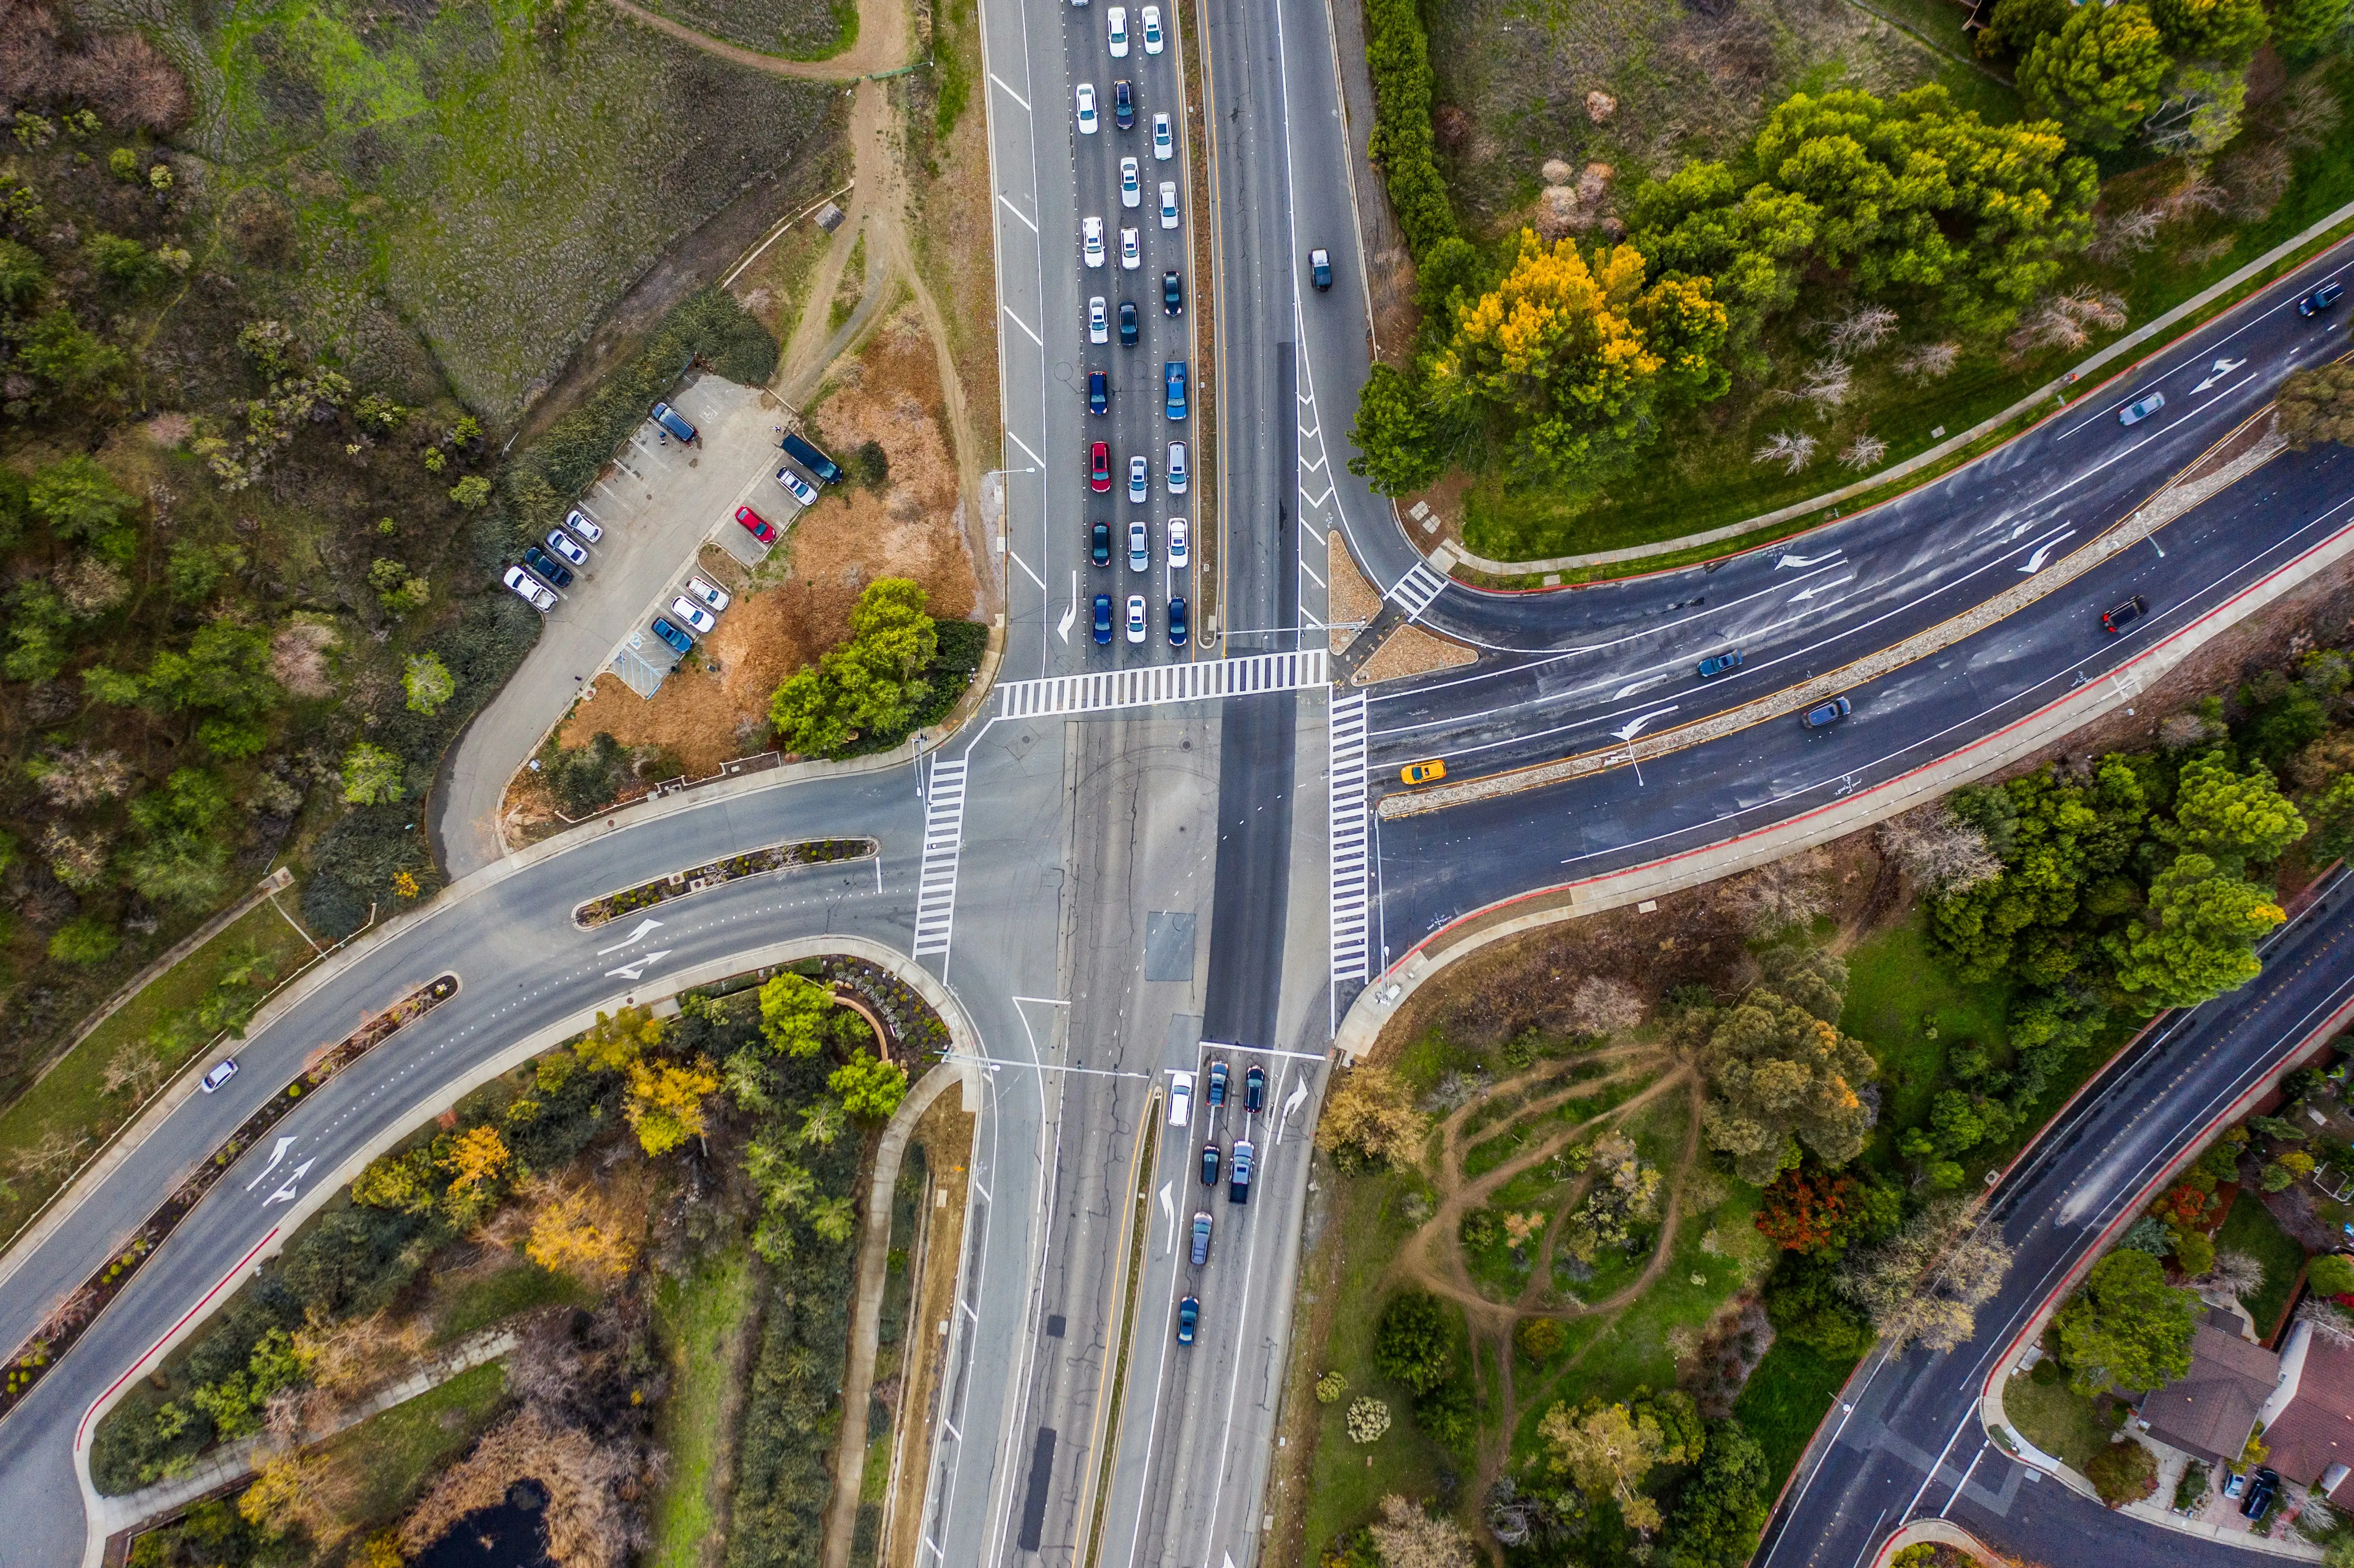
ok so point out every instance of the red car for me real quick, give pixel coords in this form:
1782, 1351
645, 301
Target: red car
758, 526
1099, 468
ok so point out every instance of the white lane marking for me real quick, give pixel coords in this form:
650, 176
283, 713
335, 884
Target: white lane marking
1634, 727
1007, 88
1631, 687
636, 968
293, 1179
1415, 591
1169, 1212
1806, 593
1298, 1097
2043, 552
1807, 560
1018, 561
1143, 685
1033, 456
1007, 202
943, 839
1017, 321
633, 938
1346, 842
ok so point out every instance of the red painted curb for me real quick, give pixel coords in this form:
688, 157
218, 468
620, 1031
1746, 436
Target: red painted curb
226, 1279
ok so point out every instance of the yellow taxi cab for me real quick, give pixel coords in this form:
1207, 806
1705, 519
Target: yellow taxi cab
1429, 772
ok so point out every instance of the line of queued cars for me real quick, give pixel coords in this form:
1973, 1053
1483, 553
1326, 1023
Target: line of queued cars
1236, 1166
547, 566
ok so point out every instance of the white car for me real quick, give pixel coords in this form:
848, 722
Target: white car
1140, 545
1179, 557
1149, 19
800, 489
1131, 189
1181, 1098
694, 614
1136, 618
223, 1071
1116, 21
1088, 121
1176, 468
1098, 321
1139, 481
564, 545
1168, 204
709, 593
530, 589
1130, 256
1164, 145
578, 521
1091, 240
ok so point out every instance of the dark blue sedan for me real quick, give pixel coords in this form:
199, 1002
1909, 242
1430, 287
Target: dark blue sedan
1176, 623
680, 642
548, 565
1189, 1314
1103, 618
1722, 663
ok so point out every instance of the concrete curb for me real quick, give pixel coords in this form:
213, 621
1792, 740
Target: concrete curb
1692, 868
963, 1037
2055, 387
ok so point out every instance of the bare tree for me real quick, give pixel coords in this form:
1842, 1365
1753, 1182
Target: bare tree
77, 777
2236, 1273
1827, 384
1793, 450
2197, 193
2126, 234
1866, 451
1774, 897
1864, 331
1926, 1283
1406, 1537
2311, 116
2327, 1319
134, 1071
1942, 853
1601, 1005
1928, 361
2067, 321
54, 1155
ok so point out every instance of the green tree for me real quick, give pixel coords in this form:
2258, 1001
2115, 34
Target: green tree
2224, 31
2129, 1329
1398, 449
225, 671
2304, 29
1412, 1343
868, 1086
22, 275
470, 491
84, 940
58, 349
2101, 74
1606, 1450
2318, 404
2123, 1472
2233, 817
2055, 839
1782, 1077
1402, 140
427, 683
2196, 938
870, 687
80, 501
664, 1102
181, 856
792, 1014
1721, 1511
2016, 24
125, 263
372, 776
2194, 1253
2331, 1273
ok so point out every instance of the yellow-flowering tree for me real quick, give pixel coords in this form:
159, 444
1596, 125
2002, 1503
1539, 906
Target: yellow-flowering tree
614, 1042
665, 1101
473, 1161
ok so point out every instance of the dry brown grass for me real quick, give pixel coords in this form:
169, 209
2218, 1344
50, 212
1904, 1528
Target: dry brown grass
587, 1524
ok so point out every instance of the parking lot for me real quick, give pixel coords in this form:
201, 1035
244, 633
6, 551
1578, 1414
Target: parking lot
656, 504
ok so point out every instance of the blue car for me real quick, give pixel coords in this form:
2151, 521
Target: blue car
1103, 618
680, 642
1099, 392
1176, 623
1830, 712
547, 565
670, 420
1201, 1237
2141, 409
2321, 298
1217, 1085
1174, 370
1189, 1314
1722, 663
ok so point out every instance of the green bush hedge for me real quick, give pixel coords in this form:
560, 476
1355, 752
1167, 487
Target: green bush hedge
1402, 146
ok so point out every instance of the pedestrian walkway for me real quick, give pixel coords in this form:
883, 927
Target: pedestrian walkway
943, 835
1348, 843
1182, 682
1415, 591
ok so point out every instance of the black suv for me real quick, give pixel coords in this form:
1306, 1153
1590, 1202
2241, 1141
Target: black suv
1127, 331
2262, 1489
1172, 295
1123, 106
1100, 544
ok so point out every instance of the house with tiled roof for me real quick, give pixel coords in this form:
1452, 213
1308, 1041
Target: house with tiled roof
2210, 1411
2309, 1423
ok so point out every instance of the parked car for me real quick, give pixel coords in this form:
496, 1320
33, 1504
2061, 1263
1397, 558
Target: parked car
1254, 1090
1179, 556
1128, 332
701, 619
1181, 1099
1201, 1237
1091, 249
1136, 618
1168, 204
1320, 269
1173, 374
1132, 255
1429, 771
1217, 1085
679, 641
1103, 618
1116, 31
2141, 409
759, 527
1148, 20
2262, 1489
800, 489
1177, 623
1139, 482
222, 1072
1140, 545
710, 593
1087, 110
670, 420
1173, 293
1099, 467
1829, 713
1098, 323
580, 523
1099, 392
1176, 468
2117, 617
530, 589
1189, 1311
2235, 1486
827, 471
1238, 1176
566, 545
1100, 544
1722, 663
547, 565
2321, 298
1164, 145
1123, 105
1210, 1158
1131, 184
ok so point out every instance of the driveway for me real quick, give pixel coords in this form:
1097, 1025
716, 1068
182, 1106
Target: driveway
657, 503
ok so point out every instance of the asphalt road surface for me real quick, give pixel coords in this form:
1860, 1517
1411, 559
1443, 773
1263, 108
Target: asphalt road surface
1909, 1443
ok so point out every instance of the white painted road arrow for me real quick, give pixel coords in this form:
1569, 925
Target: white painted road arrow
1634, 727
2043, 552
636, 968
1819, 587
1169, 1212
293, 1179
2222, 368
635, 938
1071, 612
1807, 560
1292, 1102
276, 1155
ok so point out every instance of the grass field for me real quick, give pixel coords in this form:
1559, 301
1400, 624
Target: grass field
700, 1320
2055, 1418
383, 1464
2251, 1228
457, 1306
1898, 990
1785, 1400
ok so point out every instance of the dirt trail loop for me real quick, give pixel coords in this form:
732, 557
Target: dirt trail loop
882, 44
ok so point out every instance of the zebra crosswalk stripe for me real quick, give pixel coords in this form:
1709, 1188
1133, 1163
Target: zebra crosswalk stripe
1415, 591
1348, 845
943, 837
1102, 691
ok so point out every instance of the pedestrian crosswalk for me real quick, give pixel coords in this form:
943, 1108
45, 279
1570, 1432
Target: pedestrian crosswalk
943, 835
1415, 591
1191, 681
1348, 845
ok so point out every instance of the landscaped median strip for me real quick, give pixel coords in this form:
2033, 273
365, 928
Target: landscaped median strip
2181, 493
611, 907
72, 1318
